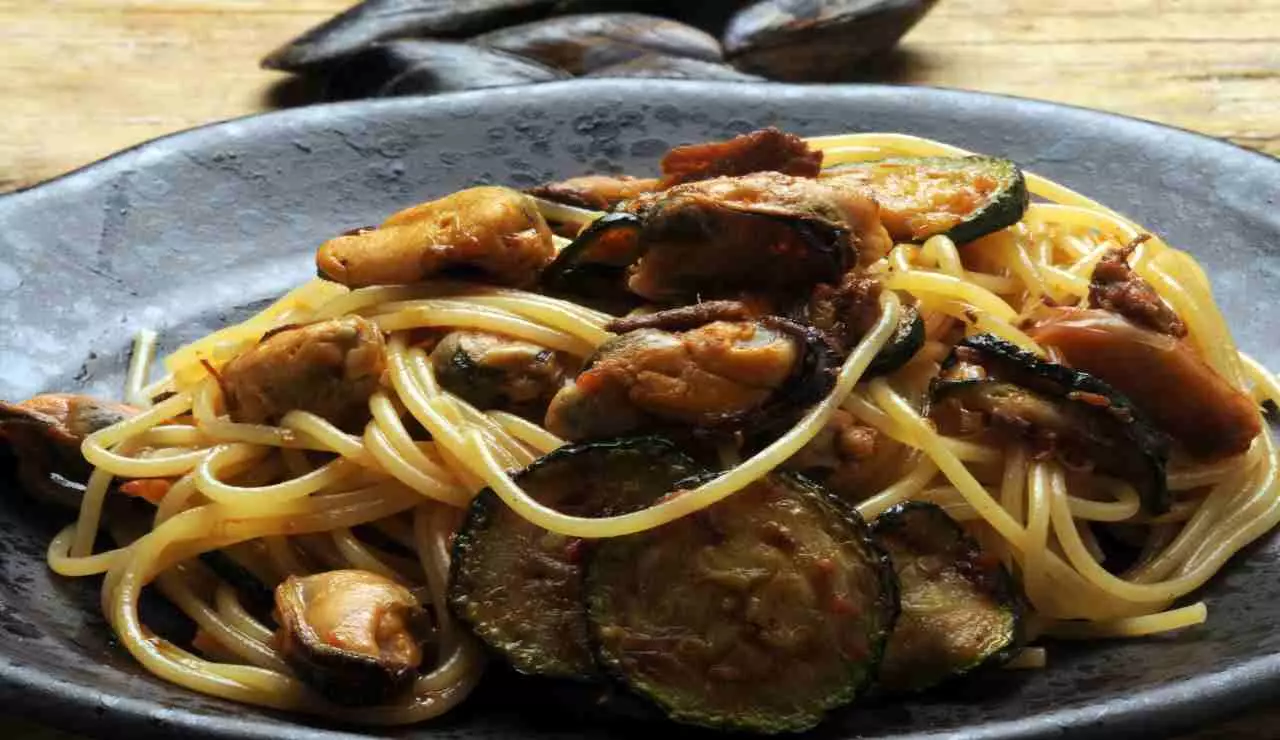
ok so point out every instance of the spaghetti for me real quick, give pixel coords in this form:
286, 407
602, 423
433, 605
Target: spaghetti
257, 493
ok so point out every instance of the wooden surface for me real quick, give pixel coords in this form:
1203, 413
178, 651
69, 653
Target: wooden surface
83, 78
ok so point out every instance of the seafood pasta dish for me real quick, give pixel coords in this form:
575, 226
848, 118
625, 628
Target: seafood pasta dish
790, 423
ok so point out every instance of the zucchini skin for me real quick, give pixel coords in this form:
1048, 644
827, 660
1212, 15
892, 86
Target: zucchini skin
552, 594
1060, 381
906, 341
1001, 211
984, 574
761, 721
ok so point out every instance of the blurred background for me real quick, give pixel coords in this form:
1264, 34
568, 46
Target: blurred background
83, 78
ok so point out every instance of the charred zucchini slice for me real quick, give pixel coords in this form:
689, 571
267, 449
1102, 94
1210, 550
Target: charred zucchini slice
759, 613
517, 585
594, 265
906, 341
1055, 408
961, 197
960, 608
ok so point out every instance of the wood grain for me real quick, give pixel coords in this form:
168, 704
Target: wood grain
83, 78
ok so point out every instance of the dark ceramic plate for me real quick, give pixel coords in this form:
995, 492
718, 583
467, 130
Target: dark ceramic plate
189, 232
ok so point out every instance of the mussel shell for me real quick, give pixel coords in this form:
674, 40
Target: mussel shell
425, 67
817, 40
670, 67
581, 43
379, 20
709, 15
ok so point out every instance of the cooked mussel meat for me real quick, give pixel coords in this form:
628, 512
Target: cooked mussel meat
1118, 288
427, 67
667, 67
817, 40
723, 375
848, 310
329, 368
494, 232
595, 192
962, 198
988, 384
354, 636
763, 150
759, 613
581, 43
760, 233
1163, 375
492, 371
683, 318
44, 434
765, 232
379, 20
960, 609
518, 586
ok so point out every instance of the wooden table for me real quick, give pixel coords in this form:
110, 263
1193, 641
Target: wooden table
83, 78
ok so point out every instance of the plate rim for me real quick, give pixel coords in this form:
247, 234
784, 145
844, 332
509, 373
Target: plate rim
1171, 707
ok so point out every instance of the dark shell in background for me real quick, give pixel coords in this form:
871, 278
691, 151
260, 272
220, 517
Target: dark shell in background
379, 20
424, 67
582, 43
709, 15
672, 68
817, 40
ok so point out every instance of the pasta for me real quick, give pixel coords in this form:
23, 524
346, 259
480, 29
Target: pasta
305, 492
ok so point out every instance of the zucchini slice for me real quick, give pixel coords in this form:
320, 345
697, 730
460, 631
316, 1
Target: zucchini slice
960, 607
518, 586
906, 341
594, 265
988, 381
759, 613
961, 197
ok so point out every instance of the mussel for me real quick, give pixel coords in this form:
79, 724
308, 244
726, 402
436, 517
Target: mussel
709, 15
595, 192
847, 310
761, 233
1117, 287
763, 150
494, 231
491, 371
764, 232
817, 40
1161, 374
379, 20
988, 385
354, 636
666, 66
426, 67
329, 368
1135, 341
581, 43
44, 433
724, 375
